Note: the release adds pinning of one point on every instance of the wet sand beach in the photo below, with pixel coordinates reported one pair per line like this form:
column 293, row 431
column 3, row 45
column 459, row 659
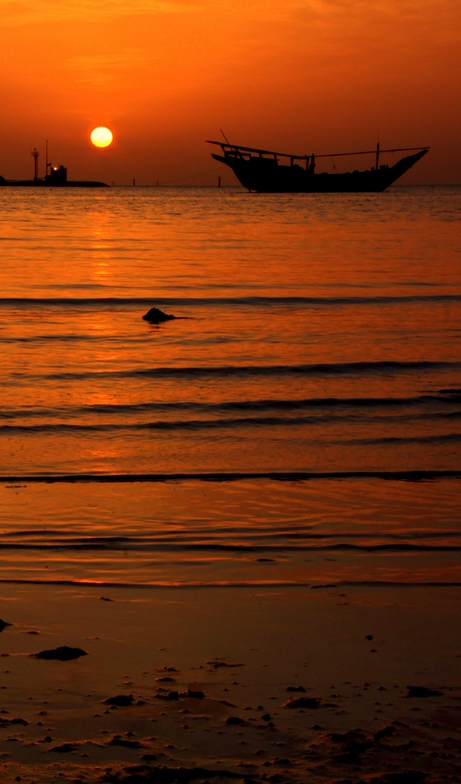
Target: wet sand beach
column 301, row 650
column 254, row 685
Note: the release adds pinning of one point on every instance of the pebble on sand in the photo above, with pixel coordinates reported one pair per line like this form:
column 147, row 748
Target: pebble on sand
column 235, row 720
column 170, row 696
column 421, row 691
column 9, row 722
column 120, row 700
column 217, row 663
column 312, row 703
column 124, row 742
column 195, row 694
column 63, row 653
column 65, row 748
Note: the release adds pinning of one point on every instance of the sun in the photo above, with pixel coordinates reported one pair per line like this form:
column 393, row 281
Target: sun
column 101, row 137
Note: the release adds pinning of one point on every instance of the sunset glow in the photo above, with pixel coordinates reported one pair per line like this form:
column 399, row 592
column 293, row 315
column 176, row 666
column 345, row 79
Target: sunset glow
column 319, row 76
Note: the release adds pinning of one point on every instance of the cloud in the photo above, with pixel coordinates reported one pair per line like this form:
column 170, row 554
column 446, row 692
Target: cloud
column 25, row 12
column 100, row 70
column 339, row 11
column 264, row 12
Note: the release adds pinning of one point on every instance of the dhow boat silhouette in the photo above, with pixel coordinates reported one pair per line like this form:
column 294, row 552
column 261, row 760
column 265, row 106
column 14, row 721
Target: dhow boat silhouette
column 266, row 171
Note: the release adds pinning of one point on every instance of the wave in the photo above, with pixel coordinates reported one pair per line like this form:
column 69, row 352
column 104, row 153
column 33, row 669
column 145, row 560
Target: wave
column 444, row 397
column 438, row 438
column 196, row 584
column 387, row 367
column 59, row 536
column 132, row 545
column 123, row 303
column 57, row 338
column 423, row 475
column 234, row 423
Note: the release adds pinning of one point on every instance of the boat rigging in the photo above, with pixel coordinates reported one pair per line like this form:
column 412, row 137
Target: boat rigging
column 268, row 171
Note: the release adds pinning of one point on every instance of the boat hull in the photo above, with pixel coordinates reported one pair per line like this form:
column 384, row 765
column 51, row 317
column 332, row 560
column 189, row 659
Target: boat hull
column 265, row 175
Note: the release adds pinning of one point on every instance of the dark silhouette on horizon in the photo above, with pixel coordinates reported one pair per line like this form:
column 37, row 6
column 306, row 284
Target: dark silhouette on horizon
column 55, row 177
column 261, row 171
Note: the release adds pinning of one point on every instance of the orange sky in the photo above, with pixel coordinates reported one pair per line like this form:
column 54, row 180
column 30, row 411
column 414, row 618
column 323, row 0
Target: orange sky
column 297, row 75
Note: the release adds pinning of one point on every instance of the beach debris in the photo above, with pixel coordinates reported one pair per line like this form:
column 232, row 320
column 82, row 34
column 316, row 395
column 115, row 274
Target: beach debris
column 195, row 694
column 63, row 653
column 156, row 316
column 385, row 732
column 117, row 740
column 4, row 624
column 311, row 703
column 235, row 720
column 421, row 691
column 65, row 748
column 282, row 762
column 10, row 722
column 295, row 688
column 120, row 700
column 147, row 774
column 169, row 696
column 217, row 663
column 352, row 752
column 354, row 743
column 406, row 777
column 172, row 696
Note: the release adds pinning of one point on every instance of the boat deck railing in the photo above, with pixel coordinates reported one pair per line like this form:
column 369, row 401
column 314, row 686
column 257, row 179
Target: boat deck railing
column 247, row 153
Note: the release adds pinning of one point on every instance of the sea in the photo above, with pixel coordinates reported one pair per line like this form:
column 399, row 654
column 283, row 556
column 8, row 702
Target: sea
column 297, row 424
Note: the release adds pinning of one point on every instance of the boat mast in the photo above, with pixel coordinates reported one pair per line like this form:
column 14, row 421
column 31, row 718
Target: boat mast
column 35, row 155
column 377, row 156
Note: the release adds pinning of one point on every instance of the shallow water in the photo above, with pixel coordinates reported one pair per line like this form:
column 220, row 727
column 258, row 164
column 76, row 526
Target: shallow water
column 318, row 334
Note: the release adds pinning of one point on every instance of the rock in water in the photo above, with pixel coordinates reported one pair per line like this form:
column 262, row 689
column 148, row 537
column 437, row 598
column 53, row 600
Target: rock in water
column 64, row 653
column 156, row 316
column 3, row 625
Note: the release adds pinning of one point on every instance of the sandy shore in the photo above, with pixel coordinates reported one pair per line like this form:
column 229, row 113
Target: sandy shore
column 288, row 686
